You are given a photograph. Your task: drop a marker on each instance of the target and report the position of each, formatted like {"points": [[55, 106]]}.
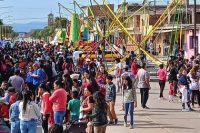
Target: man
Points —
{"points": [[144, 85], [16, 81]]}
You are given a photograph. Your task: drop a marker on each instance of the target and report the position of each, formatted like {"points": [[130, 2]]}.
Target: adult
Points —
{"points": [[46, 106], [99, 113], [134, 67], [118, 72], [29, 79], [87, 105], [88, 80], [16, 81], [29, 113], [80, 62], [101, 78], [194, 86], [53, 67], [144, 85], [76, 55], [38, 77], [59, 100], [173, 76], [14, 114], [162, 75]]}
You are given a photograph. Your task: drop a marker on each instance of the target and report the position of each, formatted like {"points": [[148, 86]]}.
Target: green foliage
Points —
{"points": [[1, 22], [49, 30]]}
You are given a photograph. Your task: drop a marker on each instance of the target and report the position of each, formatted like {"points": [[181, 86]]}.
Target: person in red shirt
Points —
{"points": [[46, 106], [134, 67], [4, 110], [11, 95], [59, 100], [162, 75], [101, 78]]}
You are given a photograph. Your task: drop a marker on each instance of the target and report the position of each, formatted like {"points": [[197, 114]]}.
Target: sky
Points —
{"points": [[25, 11]]}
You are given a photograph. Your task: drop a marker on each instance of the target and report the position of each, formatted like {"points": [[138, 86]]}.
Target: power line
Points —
{"points": [[27, 18]]}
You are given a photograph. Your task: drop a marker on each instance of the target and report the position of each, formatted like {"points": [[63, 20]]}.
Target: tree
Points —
{"points": [[61, 22], [14, 34], [1, 22], [36, 34]]}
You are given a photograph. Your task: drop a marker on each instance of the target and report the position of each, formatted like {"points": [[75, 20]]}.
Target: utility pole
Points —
{"points": [[194, 35]]}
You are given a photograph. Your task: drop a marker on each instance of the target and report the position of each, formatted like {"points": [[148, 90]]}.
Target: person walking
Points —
{"points": [[129, 99], [144, 85], [162, 75], [110, 99]]}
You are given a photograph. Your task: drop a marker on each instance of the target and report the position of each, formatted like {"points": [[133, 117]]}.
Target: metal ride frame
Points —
{"points": [[116, 22]]}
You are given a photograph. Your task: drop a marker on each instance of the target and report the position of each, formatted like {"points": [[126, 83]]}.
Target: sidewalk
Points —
{"points": [[162, 117]]}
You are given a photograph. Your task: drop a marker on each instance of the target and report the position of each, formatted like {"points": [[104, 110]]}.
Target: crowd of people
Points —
{"points": [[54, 86]]}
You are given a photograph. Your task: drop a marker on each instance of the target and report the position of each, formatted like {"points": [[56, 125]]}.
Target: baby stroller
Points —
{"points": [[76, 127]]}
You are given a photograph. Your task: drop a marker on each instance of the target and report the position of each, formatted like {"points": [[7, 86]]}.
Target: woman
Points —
{"points": [[101, 78], [162, 75], [100, 113], [29, 113], [87, 104], [194, 86], [38, 76], [14, 115], [46, 106], [129, 99], [87, 107], [59, 99], [89, 81]]}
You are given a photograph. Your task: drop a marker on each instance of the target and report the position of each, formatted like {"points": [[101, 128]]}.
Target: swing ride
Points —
{"points": [[91, 33]]}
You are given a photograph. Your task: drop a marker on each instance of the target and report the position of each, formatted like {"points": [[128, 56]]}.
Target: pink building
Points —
{"points": [[189, 47]]}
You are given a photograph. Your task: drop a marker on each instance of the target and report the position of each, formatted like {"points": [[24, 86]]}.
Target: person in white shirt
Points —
{"points": [[29, 113], [144, 85], [76, 56], [118, 72]]}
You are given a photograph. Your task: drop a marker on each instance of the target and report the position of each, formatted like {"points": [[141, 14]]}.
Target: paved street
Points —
{"points": [[162, 117]]}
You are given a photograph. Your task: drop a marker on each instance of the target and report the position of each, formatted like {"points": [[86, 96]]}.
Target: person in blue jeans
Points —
{"points": [[14, 115], [129, 99], [59, 100], [29, 113]]}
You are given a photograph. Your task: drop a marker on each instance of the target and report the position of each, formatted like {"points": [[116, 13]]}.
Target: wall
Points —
{"points": [[190, 51]]}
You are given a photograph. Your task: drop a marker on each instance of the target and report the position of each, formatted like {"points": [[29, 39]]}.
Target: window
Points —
{"points": [[191, 42]]}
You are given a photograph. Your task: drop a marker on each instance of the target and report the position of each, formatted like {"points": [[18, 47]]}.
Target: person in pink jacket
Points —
{"points": [[162, 75], [59, 99], [46, 105]]}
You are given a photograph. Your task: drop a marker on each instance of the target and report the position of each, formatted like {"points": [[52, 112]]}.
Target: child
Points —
{"points": [[184, 82], [110, 98], [162, 74], [74, 106], [171, 92], [75, 86]]}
